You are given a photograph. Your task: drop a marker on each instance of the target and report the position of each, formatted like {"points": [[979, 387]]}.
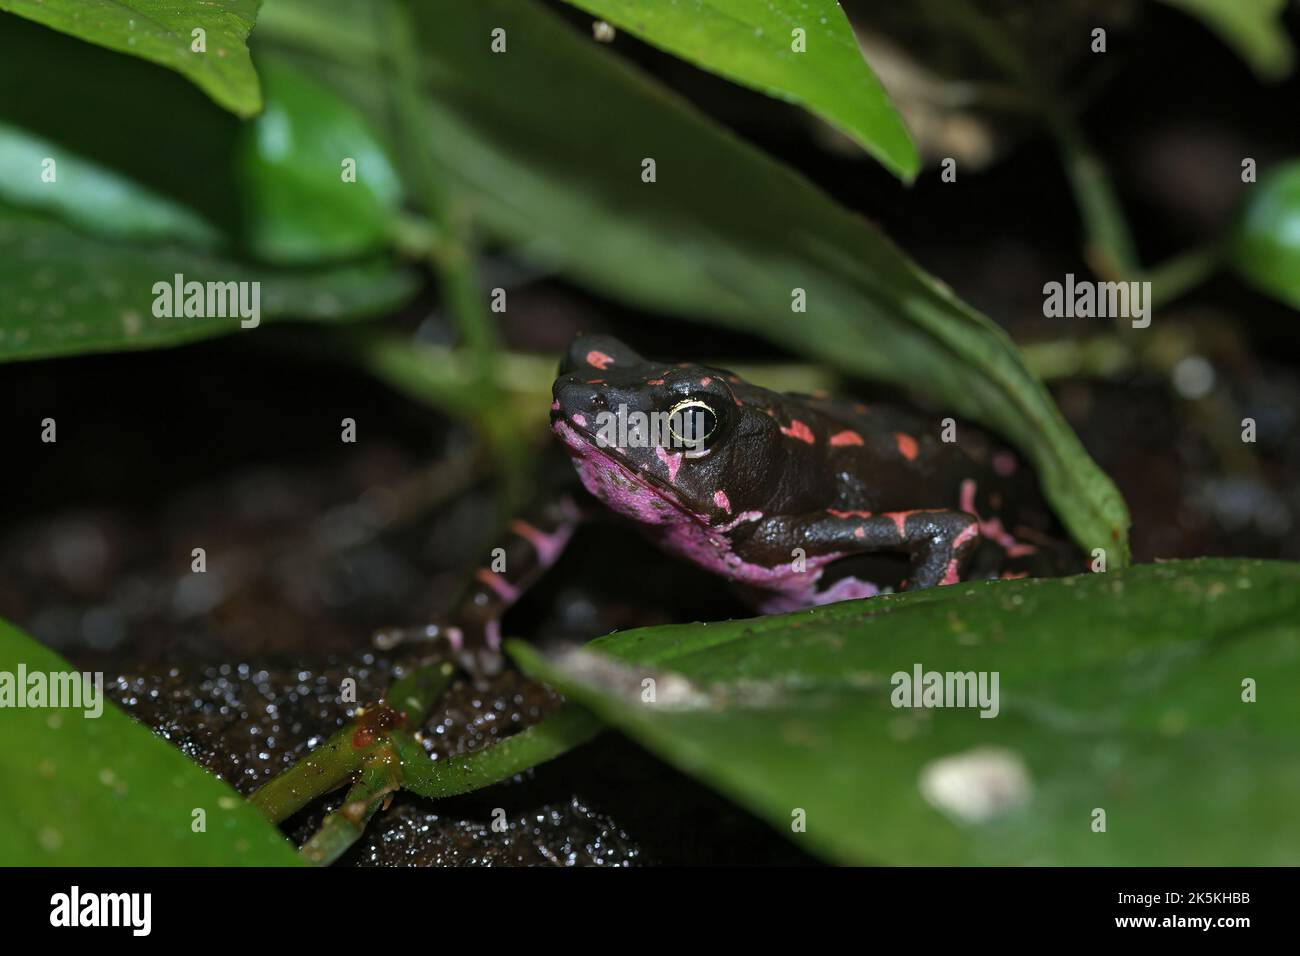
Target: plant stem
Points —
{"points": [[559, 733], [453, 255], [326, 767], [1174, 277], [415, 693], [349, 750], [1108, 241], [380, 777]]}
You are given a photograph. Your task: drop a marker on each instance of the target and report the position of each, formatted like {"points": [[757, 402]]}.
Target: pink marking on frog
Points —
{"points": [[655, 381], [845, 589], [555, 405], [492, 634], [907, 446], [1004, 463], [1014, 575], [799, 430], [599, 359], [849, 514], [740, 519], [503, 588], [678, 529], [1017, 549], [846, 437], [673, 462], [704, 382], [547, 546], [900, 520], [455, 638], [859, 532], [968, 497], [970, 531], [951, 576], [992, 528], [722, 501], [580, 419]]}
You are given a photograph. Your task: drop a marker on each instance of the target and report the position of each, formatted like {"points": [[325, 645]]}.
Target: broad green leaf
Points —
{"points": [[67, 293], [163, 32], [118, 172], [301, 207], [1120, 691], [79, 790], [1253, 28], [1266, 244], [36, 173], [803, 51], [552, 160]]}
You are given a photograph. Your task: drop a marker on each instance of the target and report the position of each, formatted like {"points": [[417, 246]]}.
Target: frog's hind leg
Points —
{"points": [[473, 632]]}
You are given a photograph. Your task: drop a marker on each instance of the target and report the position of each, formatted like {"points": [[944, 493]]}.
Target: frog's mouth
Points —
{"points": [[621, 484]]}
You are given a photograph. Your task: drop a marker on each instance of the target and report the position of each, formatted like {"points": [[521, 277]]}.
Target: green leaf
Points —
{"points": [[104, 791], [299, 208], [1120, 691], [88, 194], [754, 44], [552, 160], [67, 293], [1253, 28], [1266, 243], [161, 31], [87, 116]]}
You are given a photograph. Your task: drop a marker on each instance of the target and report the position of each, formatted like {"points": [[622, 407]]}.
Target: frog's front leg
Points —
{"points": [[531, 545], [939, 541]]}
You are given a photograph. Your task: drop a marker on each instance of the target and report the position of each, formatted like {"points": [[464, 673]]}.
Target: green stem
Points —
{"points": [[328, 766], [1108, 241], [1174, 277], [349, 750], [415, 693], [453, 256], [403, 764], [415, 237], [559, 733], [339, 830]]}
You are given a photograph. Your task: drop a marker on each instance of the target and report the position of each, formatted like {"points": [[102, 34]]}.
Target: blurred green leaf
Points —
{"points": [[551, 159], [104, 791], [1253, 28], [1120, 691], [1266, 243], [298, 206], [81, 103], [161, 31], [67, 293], [89, 195], [754, 44], [444, 379]]}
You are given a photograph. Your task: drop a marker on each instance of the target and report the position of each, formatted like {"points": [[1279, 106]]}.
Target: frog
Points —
{"points": [[777, 493]]}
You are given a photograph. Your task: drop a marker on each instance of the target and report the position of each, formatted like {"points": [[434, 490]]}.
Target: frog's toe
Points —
{"points": [[386, 639]]}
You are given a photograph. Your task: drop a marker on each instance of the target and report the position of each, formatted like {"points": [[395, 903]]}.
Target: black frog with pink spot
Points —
{"points": [[786, 495]]}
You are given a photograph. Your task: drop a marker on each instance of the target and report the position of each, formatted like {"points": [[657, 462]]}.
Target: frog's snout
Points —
{"points": [[577, 401]]}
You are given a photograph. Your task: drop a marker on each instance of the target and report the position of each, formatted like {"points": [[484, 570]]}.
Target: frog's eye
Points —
{"points": [[693, 423]]}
